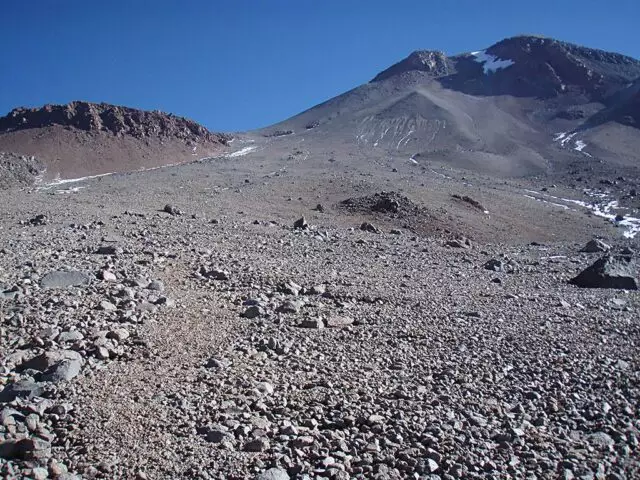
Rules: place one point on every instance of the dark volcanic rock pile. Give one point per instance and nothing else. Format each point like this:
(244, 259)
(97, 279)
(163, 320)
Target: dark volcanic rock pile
(102, 117)
(387, 203)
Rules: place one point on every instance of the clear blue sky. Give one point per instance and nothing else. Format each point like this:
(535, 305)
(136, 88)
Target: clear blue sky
(241, 64)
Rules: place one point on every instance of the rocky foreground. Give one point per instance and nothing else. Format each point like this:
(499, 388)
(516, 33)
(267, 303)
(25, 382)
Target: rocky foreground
(166, 344)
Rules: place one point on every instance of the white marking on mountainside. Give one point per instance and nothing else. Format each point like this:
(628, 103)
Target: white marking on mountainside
(559, 136)
(405, 137)
(564, 138)
(242, 152)
(580, 145)
(491, 63)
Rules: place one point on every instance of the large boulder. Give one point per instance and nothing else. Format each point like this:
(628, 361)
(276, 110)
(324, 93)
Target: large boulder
(64, 279)
(56, 366)
(610, 271)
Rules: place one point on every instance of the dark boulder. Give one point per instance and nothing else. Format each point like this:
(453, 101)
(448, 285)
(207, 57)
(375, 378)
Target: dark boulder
(594, 246)
(610, 271)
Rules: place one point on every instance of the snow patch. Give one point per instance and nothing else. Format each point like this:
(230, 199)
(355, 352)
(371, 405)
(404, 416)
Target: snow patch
(602, 207)
(242, 152)
(491, 63)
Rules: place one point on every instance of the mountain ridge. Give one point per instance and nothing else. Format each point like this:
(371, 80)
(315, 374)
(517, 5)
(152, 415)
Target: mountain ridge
(84, 138)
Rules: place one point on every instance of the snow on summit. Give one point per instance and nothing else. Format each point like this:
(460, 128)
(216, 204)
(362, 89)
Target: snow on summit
(491, 63)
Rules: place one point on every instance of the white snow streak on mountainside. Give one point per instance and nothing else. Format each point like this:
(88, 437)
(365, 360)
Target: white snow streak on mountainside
(242, 152)
(491, 63)
(631, 225)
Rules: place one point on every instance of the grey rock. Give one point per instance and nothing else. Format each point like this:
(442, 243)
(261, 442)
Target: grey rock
(21, 389)
(301, 224)
(290, 288)
(336, 321)
(62, 279)
(215, 274)
(610, 271)
(217, 436)
(459, 243)
(156, 285)
(496, 265)
(70, 336)
(107, 306)
(318, 289)
(108, 276)
(601, 440)
(63, 371)
(253, 311)
(171, 210)
(316, 323)
(291, 306)
(109, 250)
(595, 246)
(118, 334)
(368, 227)
(257, 445)
(47, 360)
(273, 474)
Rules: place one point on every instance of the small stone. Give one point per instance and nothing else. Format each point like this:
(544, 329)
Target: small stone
(273, 474)
(252, 312)
(601, 440)
(107, 306)
(217, 436)
(312, 323)
(301, 224)
(102, 353)
(108, 250)
(119, 334)
(257, 445)
(39, 473)
(70, 336)
(318, 289)
(459, 243)
(595, 246)
(336, 321)
(171, 210)
(291, 306)
(214, 274)
(265, 388)
(108, 276)
(368, 227)
(156, 285)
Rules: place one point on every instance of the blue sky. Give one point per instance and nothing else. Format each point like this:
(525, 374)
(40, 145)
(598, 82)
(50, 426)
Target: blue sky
(242, 64)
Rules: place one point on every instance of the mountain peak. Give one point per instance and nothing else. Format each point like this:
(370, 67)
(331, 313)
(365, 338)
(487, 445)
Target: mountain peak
(434, 62)
(524, 66)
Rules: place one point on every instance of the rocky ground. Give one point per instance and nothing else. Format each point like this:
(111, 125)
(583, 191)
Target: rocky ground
(175, 324)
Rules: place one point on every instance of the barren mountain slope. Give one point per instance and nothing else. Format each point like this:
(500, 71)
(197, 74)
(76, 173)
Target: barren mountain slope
(504, 110)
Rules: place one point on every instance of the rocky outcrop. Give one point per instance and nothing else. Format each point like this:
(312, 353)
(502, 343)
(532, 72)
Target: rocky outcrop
(105, 118)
